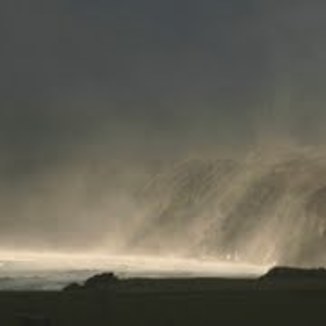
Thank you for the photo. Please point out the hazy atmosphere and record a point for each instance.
(187, 128)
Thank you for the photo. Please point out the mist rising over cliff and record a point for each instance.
(100, 98)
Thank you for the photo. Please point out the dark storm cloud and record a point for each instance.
(147, 62)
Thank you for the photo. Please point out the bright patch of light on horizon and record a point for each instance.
(126, 266)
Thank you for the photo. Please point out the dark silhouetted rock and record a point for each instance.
(101, 281)
(72, 287)
(288, 273)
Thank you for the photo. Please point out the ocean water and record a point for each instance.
(54, 271)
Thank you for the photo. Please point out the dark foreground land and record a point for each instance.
(282, 297)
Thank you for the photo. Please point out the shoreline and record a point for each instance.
(274, 299)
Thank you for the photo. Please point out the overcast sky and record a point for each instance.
(153, 78)
(146, 73)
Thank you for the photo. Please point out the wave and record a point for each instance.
(53, 271)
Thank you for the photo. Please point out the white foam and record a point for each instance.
(54, 270)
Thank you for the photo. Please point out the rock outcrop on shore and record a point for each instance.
(291, 273)
(276, 278)
(103, 281)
